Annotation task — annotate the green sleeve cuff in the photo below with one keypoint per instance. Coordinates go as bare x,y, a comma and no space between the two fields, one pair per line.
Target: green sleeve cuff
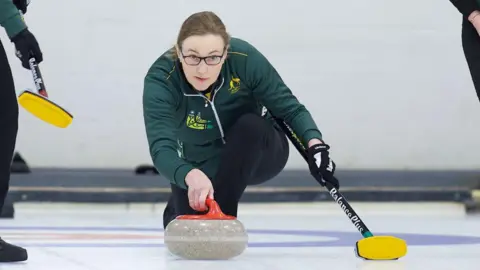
14,25
311,134
181,173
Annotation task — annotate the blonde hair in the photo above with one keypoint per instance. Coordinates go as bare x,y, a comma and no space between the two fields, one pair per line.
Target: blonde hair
201,23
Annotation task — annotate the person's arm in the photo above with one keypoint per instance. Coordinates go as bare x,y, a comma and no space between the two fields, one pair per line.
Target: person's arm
270,90
10,18
466,7
159,105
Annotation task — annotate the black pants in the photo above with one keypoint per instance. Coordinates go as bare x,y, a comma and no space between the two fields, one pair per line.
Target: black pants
471,49
8,123
256,151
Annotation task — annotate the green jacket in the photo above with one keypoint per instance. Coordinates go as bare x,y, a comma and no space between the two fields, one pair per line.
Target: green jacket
10,18
185,130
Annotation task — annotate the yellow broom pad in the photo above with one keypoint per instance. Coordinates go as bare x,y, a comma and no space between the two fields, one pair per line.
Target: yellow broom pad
381,248
45,109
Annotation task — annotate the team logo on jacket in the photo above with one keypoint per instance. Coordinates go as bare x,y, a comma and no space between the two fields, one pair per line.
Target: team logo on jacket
195,121
234,85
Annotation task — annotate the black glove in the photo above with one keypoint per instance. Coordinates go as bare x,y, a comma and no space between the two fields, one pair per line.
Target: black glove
321,166
21,5
26,47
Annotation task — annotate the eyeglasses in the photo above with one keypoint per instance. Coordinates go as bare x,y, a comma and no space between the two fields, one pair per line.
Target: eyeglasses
211,60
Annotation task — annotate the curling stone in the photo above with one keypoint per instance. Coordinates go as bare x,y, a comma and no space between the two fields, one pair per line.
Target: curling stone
212,236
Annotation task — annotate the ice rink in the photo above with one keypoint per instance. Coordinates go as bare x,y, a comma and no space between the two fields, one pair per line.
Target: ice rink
282,236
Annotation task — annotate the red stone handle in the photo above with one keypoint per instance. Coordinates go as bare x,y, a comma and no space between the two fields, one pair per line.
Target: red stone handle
214,212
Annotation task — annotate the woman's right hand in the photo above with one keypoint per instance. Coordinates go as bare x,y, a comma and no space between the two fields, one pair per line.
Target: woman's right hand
199,187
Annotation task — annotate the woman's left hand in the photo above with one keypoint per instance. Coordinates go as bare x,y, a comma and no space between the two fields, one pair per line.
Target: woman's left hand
320,164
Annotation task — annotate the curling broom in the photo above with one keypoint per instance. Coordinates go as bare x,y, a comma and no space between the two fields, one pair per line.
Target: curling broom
38,103
370,247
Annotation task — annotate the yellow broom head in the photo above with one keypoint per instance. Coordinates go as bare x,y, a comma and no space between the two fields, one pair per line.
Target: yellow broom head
381,248
45,109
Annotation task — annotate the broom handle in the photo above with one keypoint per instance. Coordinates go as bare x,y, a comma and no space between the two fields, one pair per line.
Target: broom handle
336,195
37,77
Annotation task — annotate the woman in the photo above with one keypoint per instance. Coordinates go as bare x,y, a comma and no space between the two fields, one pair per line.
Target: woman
207,128
25,43
471,37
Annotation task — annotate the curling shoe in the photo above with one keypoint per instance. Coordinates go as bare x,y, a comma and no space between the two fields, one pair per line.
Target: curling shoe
11,253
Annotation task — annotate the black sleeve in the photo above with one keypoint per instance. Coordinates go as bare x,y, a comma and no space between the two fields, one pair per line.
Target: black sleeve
466,7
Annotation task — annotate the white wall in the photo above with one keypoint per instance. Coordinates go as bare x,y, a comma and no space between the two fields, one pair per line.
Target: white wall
386,80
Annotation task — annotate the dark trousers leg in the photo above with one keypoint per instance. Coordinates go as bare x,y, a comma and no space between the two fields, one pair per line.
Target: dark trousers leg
471,49
8,123
255,152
